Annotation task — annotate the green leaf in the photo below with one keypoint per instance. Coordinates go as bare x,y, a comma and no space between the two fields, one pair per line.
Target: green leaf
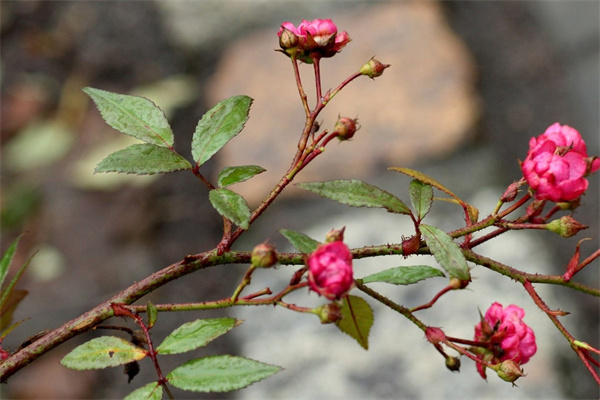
151,391
9,297
357,319
198,333
134,116
218,126
300,241
425,179
219,373
143,159
403,275
8,308
446,251
421,197
152,314
231,205
230,175
357,194
103,352
7,258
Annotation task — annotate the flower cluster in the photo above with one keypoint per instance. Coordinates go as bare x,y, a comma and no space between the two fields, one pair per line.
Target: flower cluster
557,164
506,336
330,270
312,40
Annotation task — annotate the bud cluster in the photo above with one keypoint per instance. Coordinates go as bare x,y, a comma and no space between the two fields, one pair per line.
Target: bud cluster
312,40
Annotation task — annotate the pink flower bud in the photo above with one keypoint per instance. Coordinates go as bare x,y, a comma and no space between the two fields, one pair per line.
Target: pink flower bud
435,335
330,270
373,68
346,127
507,336
557,163
566,226
511,192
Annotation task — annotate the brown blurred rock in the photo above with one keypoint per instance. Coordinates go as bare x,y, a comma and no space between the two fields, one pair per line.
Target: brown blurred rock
423,106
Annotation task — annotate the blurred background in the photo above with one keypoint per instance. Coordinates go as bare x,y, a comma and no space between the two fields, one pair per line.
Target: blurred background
470,83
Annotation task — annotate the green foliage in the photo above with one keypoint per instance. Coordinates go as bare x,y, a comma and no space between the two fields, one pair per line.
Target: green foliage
403,275
143,159
357,319
151,391
103,352
421,197
357,194
9,297
425,179
230,175
218,126
231,205
300,241
152,314
446,251
219,373
134,116
198,333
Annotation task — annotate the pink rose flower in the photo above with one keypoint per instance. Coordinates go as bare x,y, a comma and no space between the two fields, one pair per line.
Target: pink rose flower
330,270
557,164
312,39
509,338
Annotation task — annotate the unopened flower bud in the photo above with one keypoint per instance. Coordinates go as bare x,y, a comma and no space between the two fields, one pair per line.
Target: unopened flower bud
566,226
456,283
329,313
373,68
509,371
435,335
287,39
411,245
346,127
511,192
263,256
335,235
453,363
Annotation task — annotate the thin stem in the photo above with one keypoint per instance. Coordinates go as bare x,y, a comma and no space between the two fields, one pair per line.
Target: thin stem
553,315
119,310
435,298
394,306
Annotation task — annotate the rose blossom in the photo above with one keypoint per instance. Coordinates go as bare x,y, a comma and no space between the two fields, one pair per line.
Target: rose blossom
330,270
312,39
557,164
508,336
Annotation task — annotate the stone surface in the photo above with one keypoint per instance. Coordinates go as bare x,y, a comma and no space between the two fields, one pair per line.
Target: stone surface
423,106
